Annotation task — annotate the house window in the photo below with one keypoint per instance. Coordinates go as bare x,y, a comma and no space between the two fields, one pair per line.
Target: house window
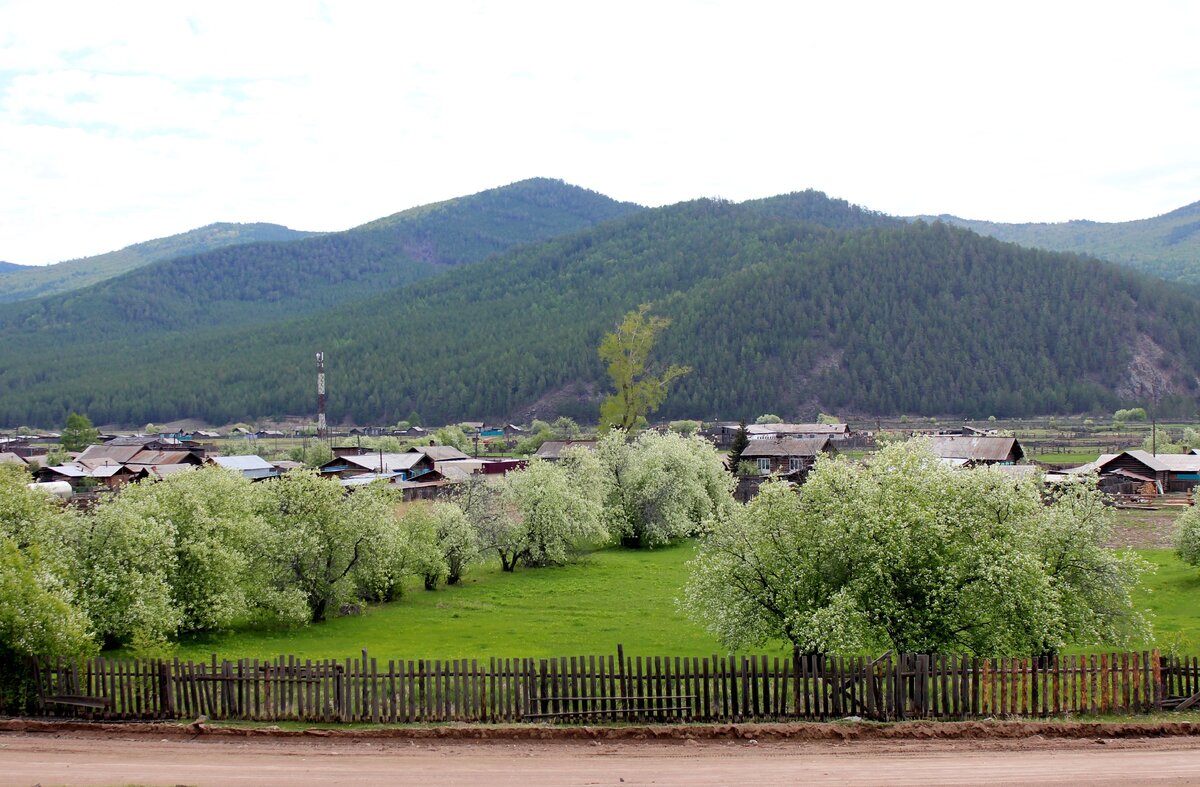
793,464
764,465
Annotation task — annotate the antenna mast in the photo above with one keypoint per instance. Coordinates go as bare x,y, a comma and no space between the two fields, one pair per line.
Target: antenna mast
321,394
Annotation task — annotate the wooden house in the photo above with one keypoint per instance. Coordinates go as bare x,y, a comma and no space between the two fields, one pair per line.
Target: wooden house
1145,473
790,457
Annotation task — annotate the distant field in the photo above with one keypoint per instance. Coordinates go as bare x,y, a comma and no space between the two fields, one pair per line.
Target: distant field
1065,459
614,596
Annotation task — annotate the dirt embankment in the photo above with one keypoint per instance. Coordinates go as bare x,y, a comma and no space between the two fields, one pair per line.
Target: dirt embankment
840,732
980,753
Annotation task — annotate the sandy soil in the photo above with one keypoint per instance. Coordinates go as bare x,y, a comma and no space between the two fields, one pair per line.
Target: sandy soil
79,758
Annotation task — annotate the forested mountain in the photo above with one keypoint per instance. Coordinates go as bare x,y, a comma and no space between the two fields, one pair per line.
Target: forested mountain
256,283
1166,246
10,266
774,314
22,282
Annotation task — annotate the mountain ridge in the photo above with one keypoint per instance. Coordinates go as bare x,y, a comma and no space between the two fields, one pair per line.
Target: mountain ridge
25,282
1166,246
785,305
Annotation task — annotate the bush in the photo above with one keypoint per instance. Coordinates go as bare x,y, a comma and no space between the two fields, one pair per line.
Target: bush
1187,540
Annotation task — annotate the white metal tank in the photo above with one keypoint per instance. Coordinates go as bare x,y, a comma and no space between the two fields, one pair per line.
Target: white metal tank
60,489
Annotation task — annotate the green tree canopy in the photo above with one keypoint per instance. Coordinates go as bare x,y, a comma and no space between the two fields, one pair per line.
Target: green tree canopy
79,433
639,391
906,553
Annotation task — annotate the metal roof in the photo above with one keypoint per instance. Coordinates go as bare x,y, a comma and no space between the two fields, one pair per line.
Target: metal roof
786,446
439,453
388,462
1170,463
244,462
11,458
791,429
111,451
977,448
161,458
366,478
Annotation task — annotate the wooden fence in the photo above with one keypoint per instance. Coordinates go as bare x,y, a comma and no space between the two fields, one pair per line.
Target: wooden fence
617,688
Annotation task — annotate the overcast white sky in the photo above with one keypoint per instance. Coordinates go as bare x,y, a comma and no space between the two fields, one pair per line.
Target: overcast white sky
125,121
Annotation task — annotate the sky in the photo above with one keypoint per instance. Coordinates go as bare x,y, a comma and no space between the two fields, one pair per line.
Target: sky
122,122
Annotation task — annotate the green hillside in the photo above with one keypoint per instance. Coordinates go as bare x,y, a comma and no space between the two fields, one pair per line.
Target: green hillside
21,282
1166,246
257,283
775,313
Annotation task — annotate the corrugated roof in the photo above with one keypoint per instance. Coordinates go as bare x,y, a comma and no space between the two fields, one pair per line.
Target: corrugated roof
786,446
439,453
160,458
111,451
977,448
244,462
388,462
8,457
785,429
1171,463
366,478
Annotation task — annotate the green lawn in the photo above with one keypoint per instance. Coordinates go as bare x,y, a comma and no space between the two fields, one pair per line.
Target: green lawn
613,596
1066,459
1172,593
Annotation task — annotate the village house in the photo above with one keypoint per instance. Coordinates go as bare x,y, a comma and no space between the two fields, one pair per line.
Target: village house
975,450
790,457
406,466
1141,472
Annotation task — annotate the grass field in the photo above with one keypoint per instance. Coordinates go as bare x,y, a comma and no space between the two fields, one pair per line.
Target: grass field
1066,459
1172,593
613,596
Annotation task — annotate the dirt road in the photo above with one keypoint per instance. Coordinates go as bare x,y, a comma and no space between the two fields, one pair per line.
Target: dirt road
28,759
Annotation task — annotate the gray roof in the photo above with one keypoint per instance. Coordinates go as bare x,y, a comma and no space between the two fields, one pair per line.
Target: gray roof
786,446
11,458
366,478
977,448
245,462
439,453
1160,463
111,451
786,429
389,462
